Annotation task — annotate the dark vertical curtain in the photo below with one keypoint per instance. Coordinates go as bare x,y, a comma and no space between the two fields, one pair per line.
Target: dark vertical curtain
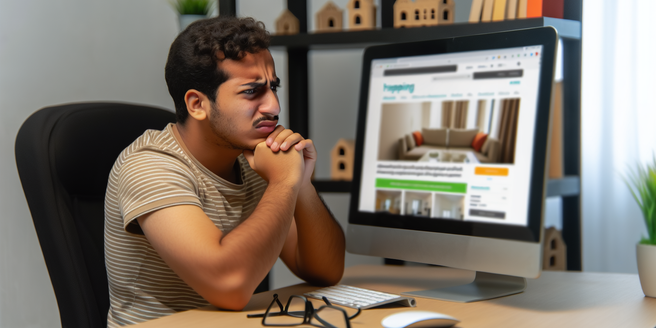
460,117
508,129
447,114
480,115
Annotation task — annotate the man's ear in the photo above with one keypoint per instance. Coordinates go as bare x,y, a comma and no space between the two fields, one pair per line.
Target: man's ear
198,105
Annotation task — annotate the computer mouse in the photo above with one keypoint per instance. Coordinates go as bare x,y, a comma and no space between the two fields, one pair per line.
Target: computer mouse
418,319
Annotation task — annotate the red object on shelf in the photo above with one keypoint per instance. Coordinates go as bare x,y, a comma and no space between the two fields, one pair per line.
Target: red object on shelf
545,8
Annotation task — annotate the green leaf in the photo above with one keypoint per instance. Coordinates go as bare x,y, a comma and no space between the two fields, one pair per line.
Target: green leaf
642,184
192,7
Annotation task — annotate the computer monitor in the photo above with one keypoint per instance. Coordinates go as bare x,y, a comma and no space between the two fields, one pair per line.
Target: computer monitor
450,157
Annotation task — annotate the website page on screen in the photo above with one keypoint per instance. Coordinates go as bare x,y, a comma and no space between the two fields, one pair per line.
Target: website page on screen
450,136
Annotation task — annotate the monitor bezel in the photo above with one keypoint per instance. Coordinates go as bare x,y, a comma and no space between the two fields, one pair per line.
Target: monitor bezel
546,37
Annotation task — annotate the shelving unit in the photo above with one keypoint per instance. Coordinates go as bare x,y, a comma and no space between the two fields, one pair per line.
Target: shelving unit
569,29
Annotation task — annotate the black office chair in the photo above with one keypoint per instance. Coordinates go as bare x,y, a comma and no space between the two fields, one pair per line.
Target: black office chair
64,155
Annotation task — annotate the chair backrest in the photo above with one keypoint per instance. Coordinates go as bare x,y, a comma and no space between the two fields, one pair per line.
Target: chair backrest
64,155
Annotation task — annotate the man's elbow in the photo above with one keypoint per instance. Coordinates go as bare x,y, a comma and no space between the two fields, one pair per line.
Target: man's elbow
235,302
231,294
334,278
325,278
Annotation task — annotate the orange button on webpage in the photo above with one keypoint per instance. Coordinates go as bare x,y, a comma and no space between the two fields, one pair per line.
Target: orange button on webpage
495,171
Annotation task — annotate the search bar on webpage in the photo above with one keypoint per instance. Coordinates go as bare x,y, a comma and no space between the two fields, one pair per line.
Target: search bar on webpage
421,70
453,77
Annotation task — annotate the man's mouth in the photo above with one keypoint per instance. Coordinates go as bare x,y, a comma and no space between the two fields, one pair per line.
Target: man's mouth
266,126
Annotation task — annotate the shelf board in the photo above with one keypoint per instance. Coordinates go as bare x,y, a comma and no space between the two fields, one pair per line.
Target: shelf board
332,186
567,186
357,39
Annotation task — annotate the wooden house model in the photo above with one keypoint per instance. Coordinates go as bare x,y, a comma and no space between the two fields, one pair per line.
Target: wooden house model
342,158
409,13
554,251
361,15
330,18
287,23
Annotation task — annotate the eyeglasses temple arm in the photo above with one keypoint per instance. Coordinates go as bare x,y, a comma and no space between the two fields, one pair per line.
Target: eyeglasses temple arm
325,299
356,314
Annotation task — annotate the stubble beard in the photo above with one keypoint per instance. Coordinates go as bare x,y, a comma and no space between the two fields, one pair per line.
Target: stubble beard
224,130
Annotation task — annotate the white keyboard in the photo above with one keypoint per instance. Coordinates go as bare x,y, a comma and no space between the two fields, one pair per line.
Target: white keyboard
356,297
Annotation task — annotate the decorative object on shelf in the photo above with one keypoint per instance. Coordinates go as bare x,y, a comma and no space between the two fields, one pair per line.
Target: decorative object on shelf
190,11
287,24
642,183
475,11
521,8
342,158
556,144
330,18
554,251
361,15
409,13
511,10
545,8
488,11
497,10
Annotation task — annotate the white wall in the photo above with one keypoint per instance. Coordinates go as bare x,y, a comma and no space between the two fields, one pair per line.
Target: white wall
54,52
396,121
472,114
436,115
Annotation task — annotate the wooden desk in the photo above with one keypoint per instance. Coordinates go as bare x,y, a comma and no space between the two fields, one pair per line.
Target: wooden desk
556,299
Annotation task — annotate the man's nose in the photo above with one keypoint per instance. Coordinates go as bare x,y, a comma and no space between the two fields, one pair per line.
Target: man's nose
270,104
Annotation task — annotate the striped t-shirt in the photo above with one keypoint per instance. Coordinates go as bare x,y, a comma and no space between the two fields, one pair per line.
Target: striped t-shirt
154,172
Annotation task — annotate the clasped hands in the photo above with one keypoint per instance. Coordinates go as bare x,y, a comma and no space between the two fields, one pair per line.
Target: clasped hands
284,157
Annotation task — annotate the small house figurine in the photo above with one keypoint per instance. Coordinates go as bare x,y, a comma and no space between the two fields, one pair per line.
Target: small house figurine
361,15
287,23
330,18
413,13
342,158
554,252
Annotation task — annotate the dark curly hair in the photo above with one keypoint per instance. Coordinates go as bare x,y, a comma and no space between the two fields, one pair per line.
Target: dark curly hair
193,62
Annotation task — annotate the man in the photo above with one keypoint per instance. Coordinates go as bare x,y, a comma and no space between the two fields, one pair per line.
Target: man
199,212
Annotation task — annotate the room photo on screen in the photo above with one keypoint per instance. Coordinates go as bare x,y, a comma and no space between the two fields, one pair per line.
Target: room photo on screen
450,131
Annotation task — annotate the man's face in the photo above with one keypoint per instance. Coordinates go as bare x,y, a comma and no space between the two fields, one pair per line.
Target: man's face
247,107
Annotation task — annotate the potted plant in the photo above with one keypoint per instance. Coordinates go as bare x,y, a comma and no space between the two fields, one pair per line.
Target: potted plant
642,183
190,11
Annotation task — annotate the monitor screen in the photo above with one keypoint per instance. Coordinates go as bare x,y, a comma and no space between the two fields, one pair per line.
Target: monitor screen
449,136
451,151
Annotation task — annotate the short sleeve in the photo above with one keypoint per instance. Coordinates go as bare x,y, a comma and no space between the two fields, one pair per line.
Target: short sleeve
149,181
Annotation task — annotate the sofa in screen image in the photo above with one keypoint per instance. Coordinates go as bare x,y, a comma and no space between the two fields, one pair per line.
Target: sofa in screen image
449,144
450,131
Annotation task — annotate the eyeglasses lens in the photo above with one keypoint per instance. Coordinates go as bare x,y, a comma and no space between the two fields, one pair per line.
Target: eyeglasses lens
294,316
332,316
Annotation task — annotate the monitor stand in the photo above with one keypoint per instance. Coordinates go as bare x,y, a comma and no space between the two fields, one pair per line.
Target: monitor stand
484,287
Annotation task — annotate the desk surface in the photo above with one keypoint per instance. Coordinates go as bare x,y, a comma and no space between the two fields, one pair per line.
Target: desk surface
556,299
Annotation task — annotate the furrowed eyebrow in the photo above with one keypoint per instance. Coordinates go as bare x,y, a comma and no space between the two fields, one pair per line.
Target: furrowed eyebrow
254,84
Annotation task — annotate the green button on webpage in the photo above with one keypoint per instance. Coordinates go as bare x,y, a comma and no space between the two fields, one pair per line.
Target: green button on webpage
422,185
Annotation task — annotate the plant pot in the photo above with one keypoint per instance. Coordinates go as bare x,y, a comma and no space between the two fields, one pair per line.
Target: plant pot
185,20
647,268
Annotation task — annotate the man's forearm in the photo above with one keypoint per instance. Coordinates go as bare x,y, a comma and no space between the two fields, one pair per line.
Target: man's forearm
256,243
321,243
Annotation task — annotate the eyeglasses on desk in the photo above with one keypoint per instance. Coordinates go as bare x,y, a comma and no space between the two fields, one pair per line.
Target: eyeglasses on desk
299,311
